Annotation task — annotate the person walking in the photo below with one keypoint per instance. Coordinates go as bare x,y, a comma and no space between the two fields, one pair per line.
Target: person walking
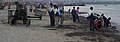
91,19
51,14
73,14
77,17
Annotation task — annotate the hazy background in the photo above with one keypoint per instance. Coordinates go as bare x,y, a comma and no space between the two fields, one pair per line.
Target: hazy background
72,1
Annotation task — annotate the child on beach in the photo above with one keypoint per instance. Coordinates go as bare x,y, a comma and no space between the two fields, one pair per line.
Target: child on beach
108,22
97,24
91,19
73,14
77,13
103,20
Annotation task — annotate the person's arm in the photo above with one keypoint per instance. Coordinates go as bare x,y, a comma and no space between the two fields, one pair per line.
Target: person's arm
109,23
51,9
72,12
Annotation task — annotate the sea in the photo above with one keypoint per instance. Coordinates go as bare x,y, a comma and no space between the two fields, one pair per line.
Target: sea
110,10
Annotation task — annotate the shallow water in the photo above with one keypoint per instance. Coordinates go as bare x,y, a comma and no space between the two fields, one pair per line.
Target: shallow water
112,10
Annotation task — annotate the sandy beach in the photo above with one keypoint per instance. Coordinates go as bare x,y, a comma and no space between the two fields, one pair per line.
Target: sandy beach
40,31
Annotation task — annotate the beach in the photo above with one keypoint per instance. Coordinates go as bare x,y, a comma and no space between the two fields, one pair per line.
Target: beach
40,31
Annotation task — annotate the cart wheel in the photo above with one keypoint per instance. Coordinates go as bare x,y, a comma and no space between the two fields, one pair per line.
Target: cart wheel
40,17
10,21
28,22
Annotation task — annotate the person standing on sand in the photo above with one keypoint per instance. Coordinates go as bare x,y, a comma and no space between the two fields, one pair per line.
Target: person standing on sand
108,23
61,16
91,19
77,17
51,14
57,15
73,14
103,20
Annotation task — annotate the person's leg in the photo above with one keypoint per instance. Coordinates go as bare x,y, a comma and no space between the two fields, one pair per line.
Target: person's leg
31,10
13,21
78,18
105,23
62,20
52,20
91,26
24,20
56,21
74,18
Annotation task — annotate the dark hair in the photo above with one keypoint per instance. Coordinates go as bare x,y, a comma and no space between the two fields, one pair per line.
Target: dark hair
51,4
77,7
109,18
91,8
92,14
55,6
73,7
98,15
102,14
16,2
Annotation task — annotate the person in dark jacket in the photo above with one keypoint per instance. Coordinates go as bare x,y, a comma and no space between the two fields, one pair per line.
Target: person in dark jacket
74,14
51,14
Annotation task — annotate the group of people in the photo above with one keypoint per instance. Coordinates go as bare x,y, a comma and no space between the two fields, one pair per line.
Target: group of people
96,21
56,13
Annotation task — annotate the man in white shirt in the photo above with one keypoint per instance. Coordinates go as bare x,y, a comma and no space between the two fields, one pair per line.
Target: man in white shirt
91,11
